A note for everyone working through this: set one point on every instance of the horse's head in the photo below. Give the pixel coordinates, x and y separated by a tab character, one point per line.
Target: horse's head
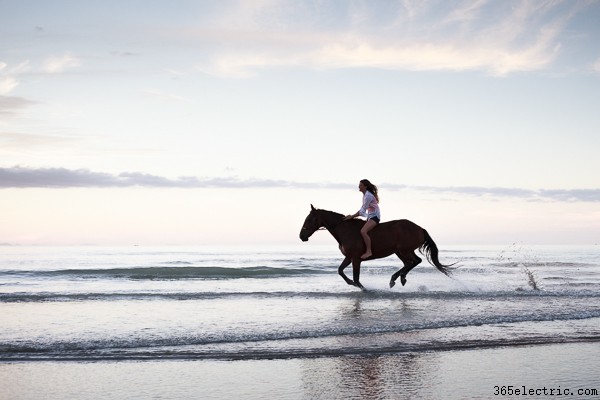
312	223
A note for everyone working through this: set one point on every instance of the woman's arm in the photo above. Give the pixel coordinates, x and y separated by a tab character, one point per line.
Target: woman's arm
356	214
363	210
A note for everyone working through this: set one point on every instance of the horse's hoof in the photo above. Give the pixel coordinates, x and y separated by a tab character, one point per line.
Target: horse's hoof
392	284
403	280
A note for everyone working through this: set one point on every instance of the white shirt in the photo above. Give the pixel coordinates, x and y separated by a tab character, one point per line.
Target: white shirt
370	207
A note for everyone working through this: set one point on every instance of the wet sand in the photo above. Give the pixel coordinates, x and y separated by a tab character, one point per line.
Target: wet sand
566	369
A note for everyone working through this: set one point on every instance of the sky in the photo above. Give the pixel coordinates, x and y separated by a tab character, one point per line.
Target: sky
220	122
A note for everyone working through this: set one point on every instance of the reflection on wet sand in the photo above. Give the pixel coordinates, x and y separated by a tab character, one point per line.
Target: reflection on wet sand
369	376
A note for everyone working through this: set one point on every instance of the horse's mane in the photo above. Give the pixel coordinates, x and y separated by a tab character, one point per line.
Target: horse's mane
332	213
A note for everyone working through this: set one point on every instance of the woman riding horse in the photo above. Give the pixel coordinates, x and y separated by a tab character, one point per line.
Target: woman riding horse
401	237
369	209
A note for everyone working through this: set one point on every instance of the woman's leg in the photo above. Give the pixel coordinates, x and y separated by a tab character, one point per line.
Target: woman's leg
365	234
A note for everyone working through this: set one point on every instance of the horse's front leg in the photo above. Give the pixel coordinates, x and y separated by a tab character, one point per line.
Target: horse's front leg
356	272
341	268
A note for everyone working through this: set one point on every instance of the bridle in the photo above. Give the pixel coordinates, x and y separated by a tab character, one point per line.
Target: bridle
325	227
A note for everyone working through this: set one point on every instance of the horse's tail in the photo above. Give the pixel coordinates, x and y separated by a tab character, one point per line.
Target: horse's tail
430	250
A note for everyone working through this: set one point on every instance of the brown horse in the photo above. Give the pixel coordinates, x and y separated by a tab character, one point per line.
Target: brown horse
401	237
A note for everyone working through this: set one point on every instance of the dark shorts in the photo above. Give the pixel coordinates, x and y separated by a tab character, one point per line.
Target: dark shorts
376	219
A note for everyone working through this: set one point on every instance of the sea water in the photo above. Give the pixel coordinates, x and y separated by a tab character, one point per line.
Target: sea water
175	304
89	303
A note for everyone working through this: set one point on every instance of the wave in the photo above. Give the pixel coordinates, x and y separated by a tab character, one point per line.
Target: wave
169	273
371	294
144	354
283	294
315	344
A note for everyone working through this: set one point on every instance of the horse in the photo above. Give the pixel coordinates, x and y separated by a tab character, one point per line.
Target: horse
401	237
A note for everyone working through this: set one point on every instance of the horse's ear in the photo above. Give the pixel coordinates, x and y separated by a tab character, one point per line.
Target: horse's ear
312	208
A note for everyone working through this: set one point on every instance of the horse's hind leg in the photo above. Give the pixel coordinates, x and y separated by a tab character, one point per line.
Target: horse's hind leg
410	260
401	271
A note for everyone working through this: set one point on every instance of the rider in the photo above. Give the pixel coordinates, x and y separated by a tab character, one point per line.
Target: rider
369	209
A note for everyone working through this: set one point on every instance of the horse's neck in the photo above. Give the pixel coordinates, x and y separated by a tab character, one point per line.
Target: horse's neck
330	221
331	218
345	232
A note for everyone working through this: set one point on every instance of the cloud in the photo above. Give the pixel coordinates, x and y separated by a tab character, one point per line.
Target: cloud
7	84
62	178
571	195
465	12
9	105
57	64
9	76
496	37
23	177
473	190
596	66
123	53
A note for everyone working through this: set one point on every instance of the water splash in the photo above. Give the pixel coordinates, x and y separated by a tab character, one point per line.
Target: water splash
523	257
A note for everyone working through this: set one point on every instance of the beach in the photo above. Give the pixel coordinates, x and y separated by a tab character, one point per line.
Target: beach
180	323
167	170
565	369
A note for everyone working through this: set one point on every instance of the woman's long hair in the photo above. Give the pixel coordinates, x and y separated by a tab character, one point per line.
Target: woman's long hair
371	188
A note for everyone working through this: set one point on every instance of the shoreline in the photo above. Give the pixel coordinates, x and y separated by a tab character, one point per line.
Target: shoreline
467	373
373	344
308	355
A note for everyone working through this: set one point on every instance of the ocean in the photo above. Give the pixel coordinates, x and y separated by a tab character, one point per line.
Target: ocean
273	307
